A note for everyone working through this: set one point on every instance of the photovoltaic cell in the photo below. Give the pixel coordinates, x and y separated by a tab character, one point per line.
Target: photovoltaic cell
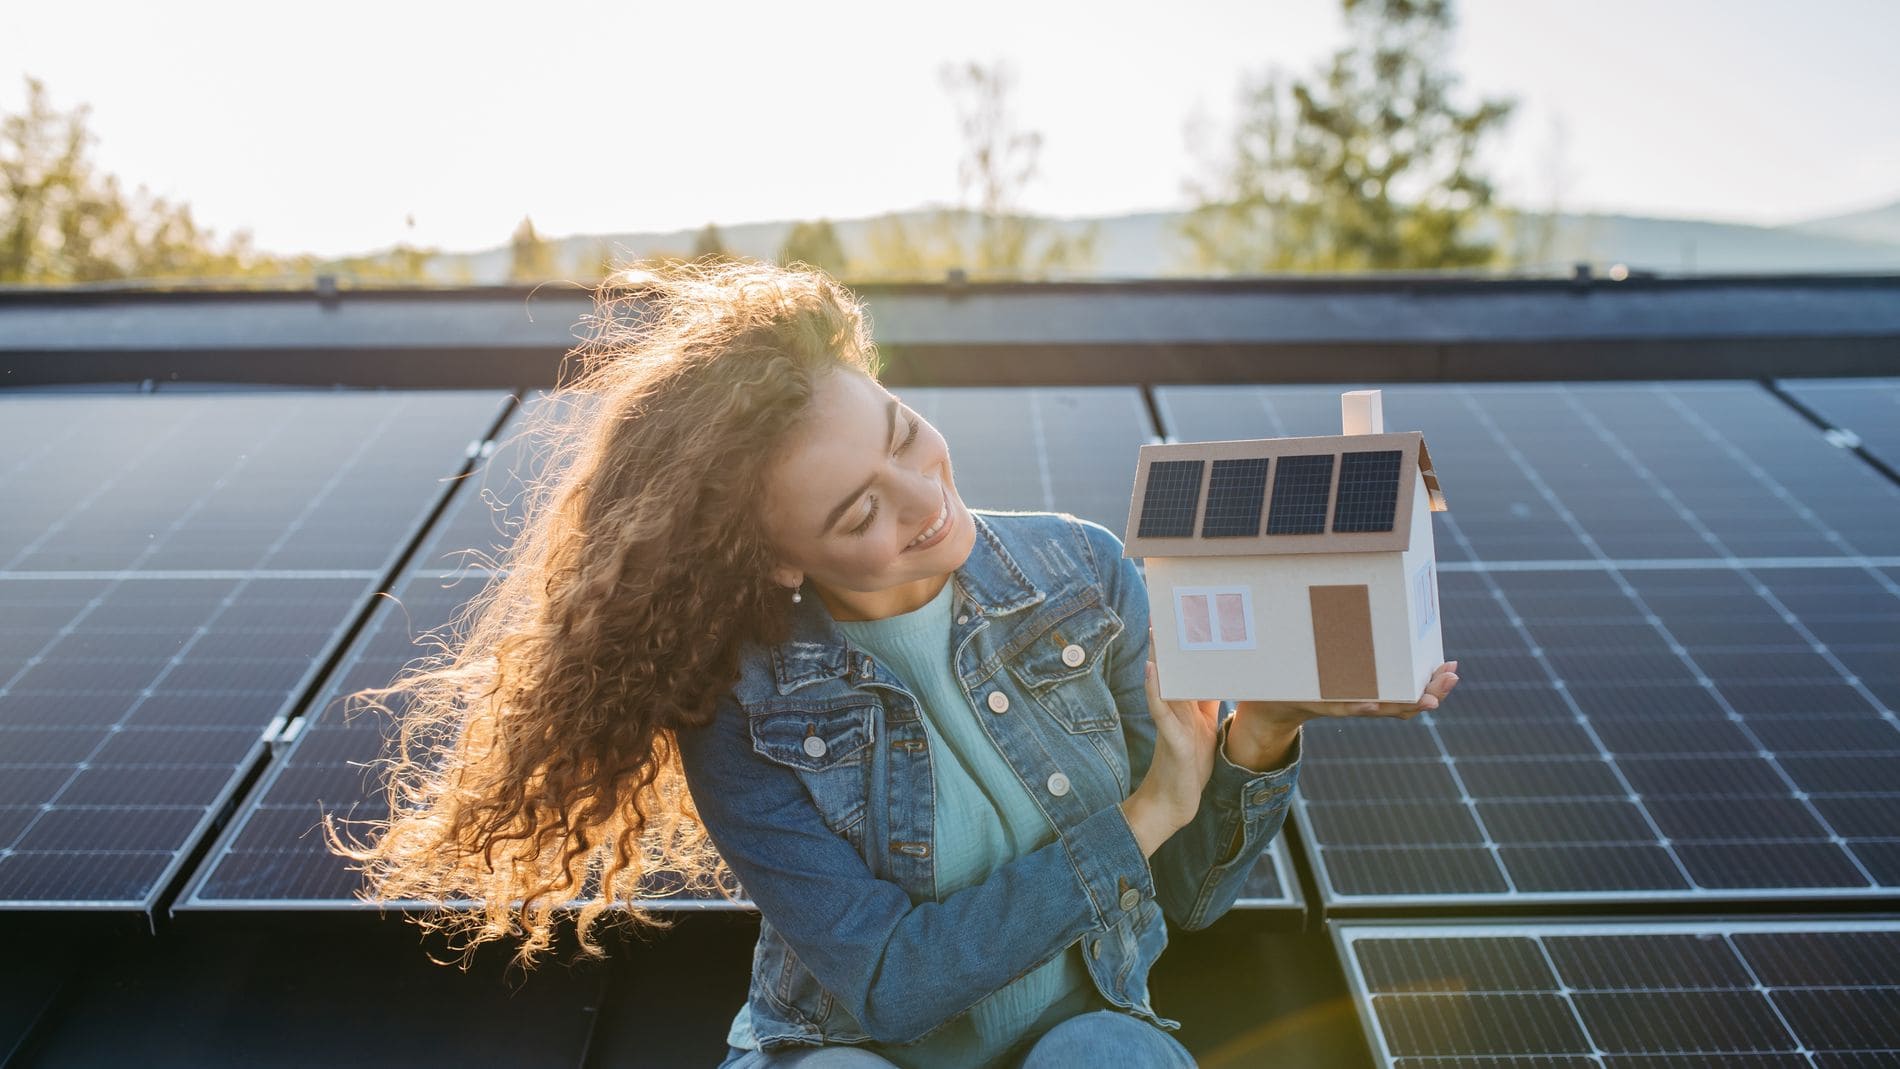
1718	992
1368	495
1867	408
1172	497
1300	495
1236	490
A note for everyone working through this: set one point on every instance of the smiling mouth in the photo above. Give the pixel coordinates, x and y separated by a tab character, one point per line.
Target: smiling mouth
936	527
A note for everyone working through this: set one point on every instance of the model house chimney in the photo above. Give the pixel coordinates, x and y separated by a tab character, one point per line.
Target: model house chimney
1361	412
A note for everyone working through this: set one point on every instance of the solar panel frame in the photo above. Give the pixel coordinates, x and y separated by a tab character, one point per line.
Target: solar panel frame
1666	966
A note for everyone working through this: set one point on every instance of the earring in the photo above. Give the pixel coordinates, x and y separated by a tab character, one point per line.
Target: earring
797	596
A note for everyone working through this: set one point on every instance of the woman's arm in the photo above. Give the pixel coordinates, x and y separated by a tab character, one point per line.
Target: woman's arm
900	969
1198	871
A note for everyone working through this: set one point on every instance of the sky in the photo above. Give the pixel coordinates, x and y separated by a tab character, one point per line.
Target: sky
348	126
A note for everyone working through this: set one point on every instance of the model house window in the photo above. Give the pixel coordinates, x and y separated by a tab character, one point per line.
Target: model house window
1424	598
1214	617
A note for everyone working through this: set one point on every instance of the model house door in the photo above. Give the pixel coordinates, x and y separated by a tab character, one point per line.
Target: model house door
1342	640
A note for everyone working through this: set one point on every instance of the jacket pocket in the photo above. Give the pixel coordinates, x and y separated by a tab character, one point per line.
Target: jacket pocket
829	749
1065	667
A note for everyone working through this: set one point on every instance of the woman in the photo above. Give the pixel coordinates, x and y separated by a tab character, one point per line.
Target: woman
753	632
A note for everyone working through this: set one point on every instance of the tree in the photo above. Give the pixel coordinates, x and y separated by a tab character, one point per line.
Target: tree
986	234
531	256
1370	169
815	243
62	221
710	243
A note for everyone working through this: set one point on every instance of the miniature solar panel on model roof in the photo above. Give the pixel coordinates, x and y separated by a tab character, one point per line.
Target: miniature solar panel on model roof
1292	569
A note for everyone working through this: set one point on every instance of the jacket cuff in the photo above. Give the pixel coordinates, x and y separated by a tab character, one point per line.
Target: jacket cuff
1110	865
1254	794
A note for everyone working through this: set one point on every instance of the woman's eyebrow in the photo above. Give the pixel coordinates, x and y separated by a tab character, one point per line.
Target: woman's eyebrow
890	431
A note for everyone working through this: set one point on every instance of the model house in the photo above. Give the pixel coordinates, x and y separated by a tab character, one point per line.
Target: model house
1292	569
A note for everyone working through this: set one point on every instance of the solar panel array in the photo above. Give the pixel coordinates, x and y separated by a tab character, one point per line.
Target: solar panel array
174	570
1677	607
1731	993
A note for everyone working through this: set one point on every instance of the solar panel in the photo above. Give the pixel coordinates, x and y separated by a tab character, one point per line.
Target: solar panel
1235	492
1717	992
183	481
1172	496
142	693
1368	495
1700	725
1060	450
1868	410
1300	494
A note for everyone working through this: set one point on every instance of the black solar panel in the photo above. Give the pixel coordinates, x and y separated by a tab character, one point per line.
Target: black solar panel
1300	495
1732	993
1368	495
1866	411
1059	450
1236	491
141	694
1172	497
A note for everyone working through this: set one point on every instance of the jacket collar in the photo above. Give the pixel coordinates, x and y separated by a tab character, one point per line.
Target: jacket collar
989	581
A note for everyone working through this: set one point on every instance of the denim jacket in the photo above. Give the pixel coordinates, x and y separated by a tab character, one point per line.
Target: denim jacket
814	781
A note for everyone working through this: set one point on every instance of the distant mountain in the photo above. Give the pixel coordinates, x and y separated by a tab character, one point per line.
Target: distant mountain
1145	245
1874	224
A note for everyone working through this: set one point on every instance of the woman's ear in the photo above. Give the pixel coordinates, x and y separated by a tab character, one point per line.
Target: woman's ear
789	578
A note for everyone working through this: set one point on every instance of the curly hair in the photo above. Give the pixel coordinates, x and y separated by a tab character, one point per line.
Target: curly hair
535	761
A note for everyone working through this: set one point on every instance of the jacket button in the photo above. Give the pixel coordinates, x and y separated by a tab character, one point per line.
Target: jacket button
963	618
1073	655
1058	784
1131	898
815	746
999	702
1095	950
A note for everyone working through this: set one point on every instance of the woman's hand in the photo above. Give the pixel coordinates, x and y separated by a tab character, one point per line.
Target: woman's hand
1170	794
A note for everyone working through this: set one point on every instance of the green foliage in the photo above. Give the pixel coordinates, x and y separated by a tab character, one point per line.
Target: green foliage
62	221
710	243
1369	169
531	257
815	243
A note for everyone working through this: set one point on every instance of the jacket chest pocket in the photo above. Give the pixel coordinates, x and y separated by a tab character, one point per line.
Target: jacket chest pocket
1066	668
830	750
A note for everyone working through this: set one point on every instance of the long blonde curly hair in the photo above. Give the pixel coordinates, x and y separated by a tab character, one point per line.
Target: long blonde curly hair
535	761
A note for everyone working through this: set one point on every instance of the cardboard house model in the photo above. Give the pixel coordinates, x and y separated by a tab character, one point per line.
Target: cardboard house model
1292	569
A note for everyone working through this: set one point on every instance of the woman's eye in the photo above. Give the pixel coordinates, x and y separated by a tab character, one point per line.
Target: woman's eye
905	444
868	517
911	437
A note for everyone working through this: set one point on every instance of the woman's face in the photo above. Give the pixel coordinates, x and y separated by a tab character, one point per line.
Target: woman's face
859	482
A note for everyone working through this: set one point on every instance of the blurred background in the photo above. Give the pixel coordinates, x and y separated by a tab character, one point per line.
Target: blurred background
431	144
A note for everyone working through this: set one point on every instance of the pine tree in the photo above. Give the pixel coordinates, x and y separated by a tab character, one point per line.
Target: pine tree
532	256
1370	168
815	243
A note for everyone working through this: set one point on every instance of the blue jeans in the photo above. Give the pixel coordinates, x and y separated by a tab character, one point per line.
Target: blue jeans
1085	1041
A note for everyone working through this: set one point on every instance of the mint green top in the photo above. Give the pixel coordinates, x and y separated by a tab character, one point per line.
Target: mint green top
984	817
